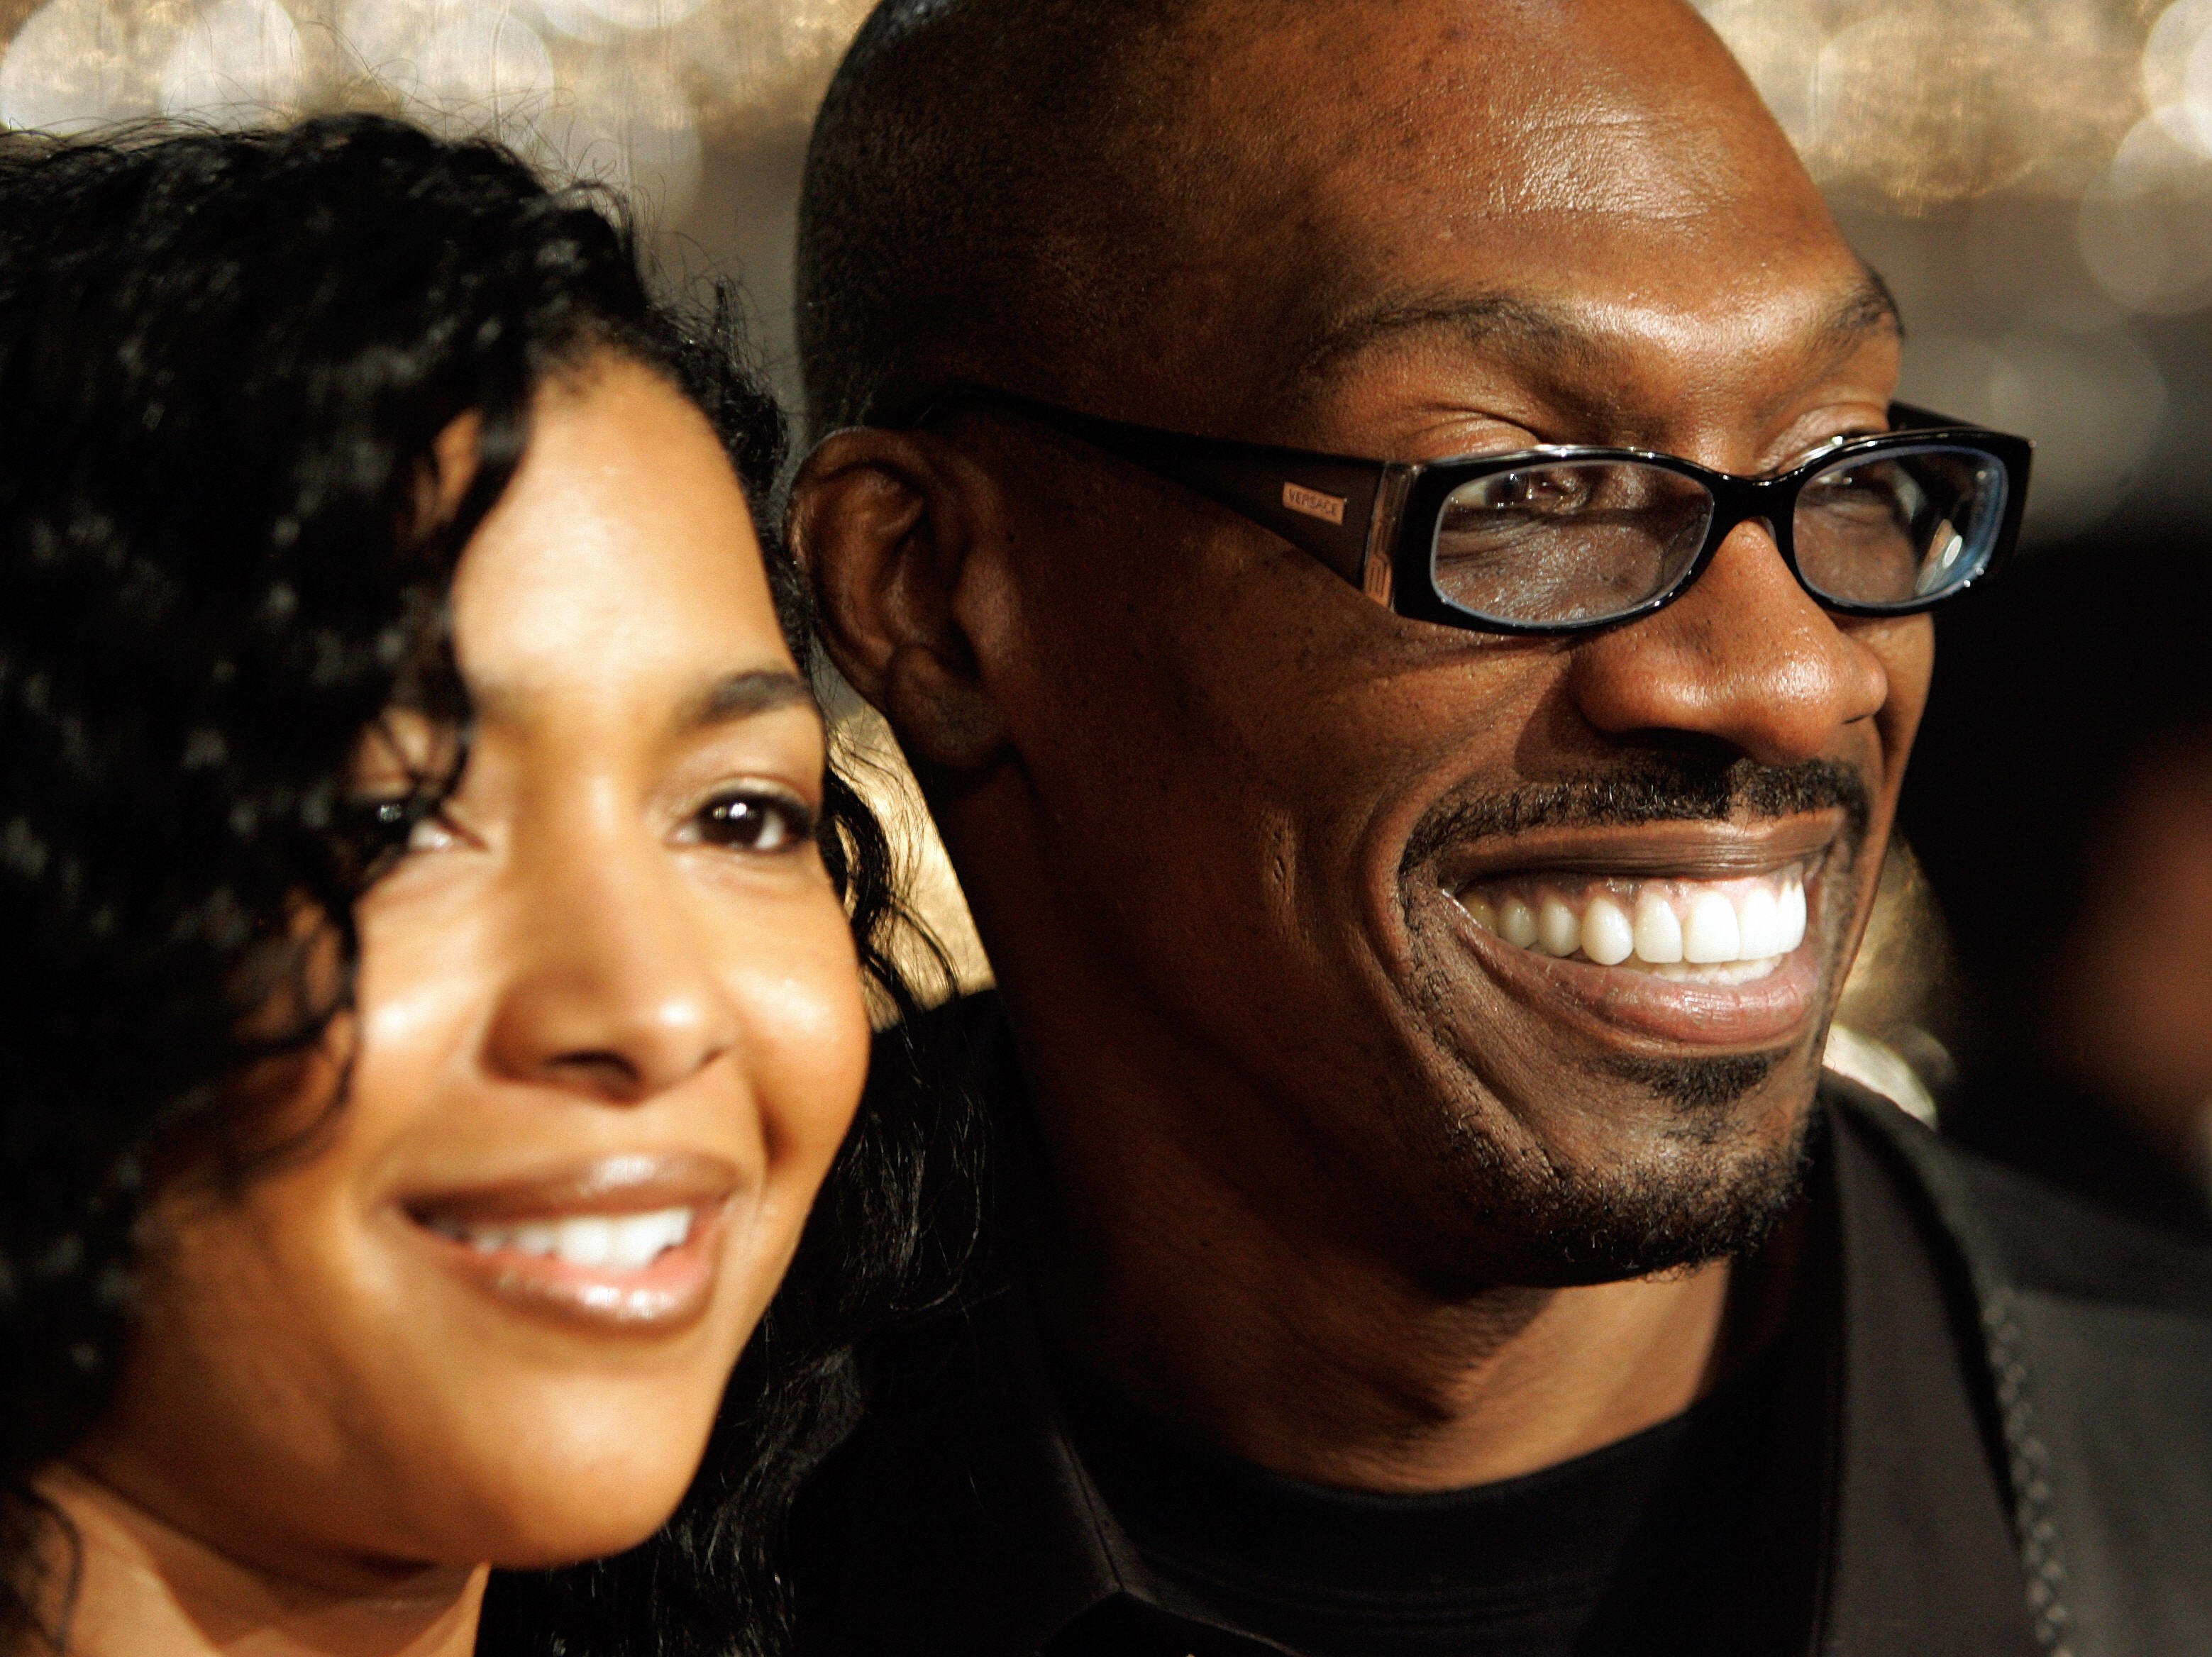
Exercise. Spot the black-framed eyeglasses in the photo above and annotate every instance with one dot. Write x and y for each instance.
(1565, 538)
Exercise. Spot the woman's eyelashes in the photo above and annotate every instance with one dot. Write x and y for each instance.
(400, 825)
(753, 818)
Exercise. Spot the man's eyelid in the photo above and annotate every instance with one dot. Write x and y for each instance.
(1445, 428)
(1838, 416)
(1803, 452)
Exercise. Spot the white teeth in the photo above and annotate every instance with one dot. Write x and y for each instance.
(641, 1239)
(535, 1239)
(634, 1246)
(1792, 913)
(1557, 929)
(1758, 926)
(586, 1242)
(625, 1242)
(1658, 931)
(1726, 972)
(1607, 936)
(1679, 928)
(1710, 933)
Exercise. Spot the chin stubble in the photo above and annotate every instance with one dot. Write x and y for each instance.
(1706, 1183)
(1701, 1089)
(1709, 1187)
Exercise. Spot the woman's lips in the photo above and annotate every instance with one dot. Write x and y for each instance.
(628, 1242)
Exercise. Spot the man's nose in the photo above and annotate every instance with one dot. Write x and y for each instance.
(1746, 655)
(609, 991)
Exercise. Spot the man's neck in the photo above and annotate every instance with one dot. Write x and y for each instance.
(145, 1588)
(1323, 1371)
(1301, 1347)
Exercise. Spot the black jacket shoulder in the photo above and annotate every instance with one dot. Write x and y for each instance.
(2097, 1334)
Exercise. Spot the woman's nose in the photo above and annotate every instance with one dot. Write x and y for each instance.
(608, 990)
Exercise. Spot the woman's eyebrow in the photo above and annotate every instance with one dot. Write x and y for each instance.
(757, 690)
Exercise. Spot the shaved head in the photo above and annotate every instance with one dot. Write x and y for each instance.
(969, 163)
(1066, 195)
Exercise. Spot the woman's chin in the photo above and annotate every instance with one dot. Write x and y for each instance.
(541, 1523)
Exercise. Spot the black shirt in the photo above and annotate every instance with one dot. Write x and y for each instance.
(1846, 1498)
(1719, 1506)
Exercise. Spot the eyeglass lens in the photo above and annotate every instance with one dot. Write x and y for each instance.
(1569, 542)
(1899, 528)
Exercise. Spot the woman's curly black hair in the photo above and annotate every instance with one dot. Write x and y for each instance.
(225, 358)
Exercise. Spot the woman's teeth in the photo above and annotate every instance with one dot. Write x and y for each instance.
(622, 1242)
(1727, 931)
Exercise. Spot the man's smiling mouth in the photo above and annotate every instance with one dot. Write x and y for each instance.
(1696, 934)
(1703, 932)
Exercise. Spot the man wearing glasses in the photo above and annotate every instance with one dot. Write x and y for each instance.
(1385, 530)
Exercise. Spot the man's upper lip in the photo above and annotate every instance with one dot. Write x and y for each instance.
(630, 1183)
(1683, 850)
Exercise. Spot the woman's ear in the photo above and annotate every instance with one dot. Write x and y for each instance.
(886, 523)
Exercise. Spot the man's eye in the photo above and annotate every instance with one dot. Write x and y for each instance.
(1551, 492)
(754, 822)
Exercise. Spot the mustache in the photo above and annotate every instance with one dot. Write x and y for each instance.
(1649, 789)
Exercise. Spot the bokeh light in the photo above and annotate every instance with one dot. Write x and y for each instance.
(240, 61)
(629, 93)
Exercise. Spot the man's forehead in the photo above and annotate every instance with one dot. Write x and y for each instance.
(1623, 107)
(1557, 177)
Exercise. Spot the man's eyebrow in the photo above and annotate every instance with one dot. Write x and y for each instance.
(1476, 318)
(1869, 308)
(758, 690)
(1548, 330)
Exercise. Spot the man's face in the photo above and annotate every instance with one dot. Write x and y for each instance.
(1302, 842)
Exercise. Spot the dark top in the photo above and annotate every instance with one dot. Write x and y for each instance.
(1992, 1427)
(2013, 1434)
(1716, 1508)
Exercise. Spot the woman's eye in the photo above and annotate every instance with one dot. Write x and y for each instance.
(430, 833)
(402, 825)
(754, 823)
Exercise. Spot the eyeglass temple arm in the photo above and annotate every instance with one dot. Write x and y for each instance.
(1325, 505)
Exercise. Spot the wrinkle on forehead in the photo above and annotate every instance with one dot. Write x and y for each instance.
(1586, 159)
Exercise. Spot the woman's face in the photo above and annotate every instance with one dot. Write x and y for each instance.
(609, 1033)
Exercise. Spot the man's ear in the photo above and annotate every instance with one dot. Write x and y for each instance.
(886, 523)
